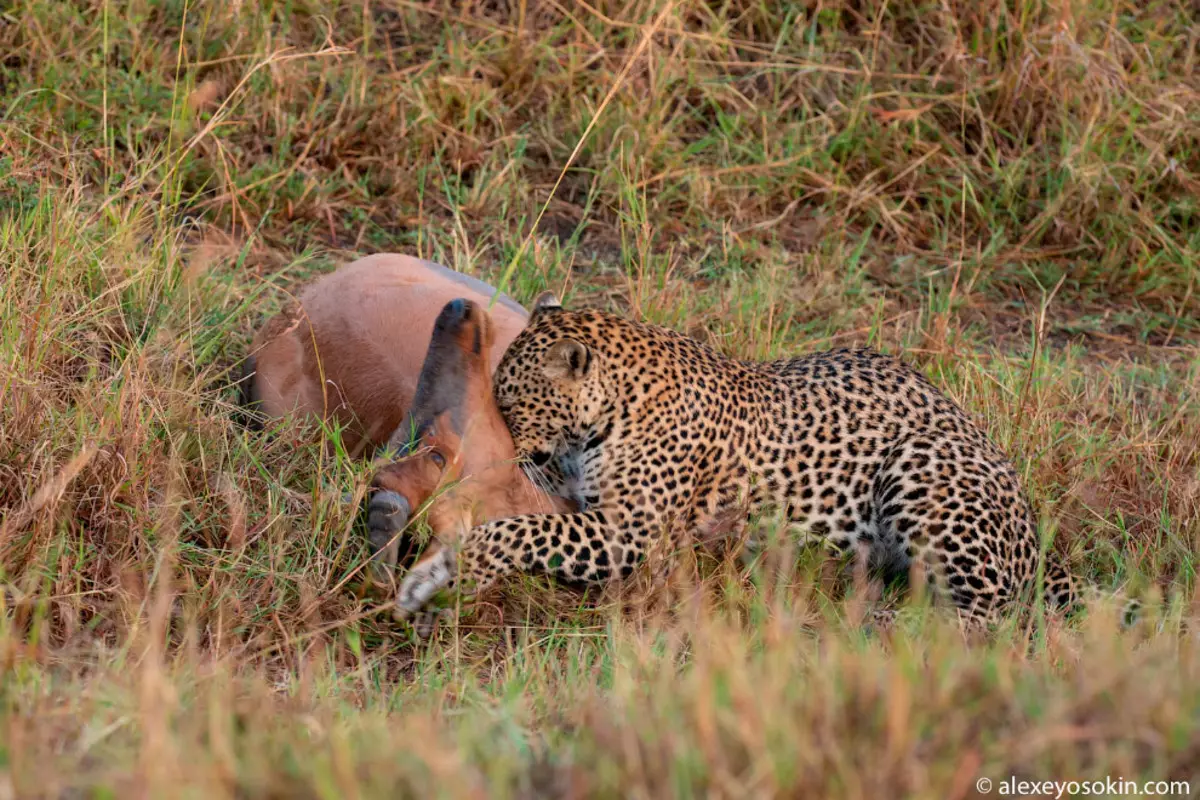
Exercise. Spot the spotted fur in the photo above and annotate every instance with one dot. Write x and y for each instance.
(654, 433)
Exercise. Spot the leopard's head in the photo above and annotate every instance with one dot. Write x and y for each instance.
(549, 385)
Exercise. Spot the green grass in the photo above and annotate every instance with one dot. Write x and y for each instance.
(1005, 193)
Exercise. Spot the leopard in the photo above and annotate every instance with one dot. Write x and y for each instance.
(653, 434)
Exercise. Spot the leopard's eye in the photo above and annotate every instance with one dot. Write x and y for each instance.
(438, 459)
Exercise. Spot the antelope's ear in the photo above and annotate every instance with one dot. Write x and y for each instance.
(546, 301)
(567, 360)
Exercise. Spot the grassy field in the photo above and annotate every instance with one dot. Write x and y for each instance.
(1003, 191)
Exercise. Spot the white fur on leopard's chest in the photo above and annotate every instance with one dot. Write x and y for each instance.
(563, 477)
(573, 487)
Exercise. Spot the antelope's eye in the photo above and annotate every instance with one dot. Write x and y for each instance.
(439, 460)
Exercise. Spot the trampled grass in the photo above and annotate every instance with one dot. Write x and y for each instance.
(1005, 193)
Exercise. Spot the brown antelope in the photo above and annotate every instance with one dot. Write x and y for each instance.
(459, 455)
(398, 349)
(350, 351)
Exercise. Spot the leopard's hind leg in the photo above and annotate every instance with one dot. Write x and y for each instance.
(953, 507)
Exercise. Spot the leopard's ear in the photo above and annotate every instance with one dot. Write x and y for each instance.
(567, 359)
(546, 301)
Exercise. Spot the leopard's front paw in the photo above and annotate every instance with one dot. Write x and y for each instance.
(422, 582)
